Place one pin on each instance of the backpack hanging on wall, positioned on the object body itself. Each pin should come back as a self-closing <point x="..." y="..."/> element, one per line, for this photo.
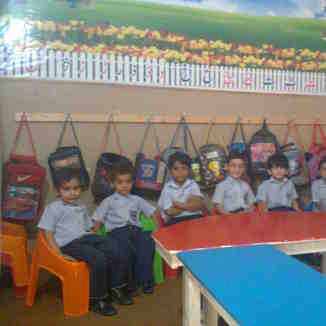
<point x="316" y="152"/>
<point x="184" y="128"/>
<point x="68" y="156"/>
<point x="294" y="152"/>
<point x="148" y="171"/>
<point x="212" y="159"/>
<point x="101" y="186"/>
<point x="23" y="179"/>
<point x="240" y="146"/>
<point x="262" y="145"/>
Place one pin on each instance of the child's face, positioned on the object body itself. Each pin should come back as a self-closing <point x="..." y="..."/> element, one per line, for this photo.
<point x="123" y="184"/>
<point x="179" y="172"/>
<point x="236" y="168"/>
<point x="322" y="171"/>
<point x="69" y="191"/>
<point x="278" y="172"/>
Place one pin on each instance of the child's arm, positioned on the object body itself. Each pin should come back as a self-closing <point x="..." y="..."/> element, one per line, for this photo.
<point x="53" y="244"/>
<point x="220" y="209"/>
<point x="97" y="225"/>
<point x="262" y="206"/>
<point x="251" y="199"/>
<point x="194" y="203"/>
<point x="295" y="205"/>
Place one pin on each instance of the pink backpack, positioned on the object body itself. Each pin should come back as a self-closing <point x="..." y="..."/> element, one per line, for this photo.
<point x="316" y="152"/>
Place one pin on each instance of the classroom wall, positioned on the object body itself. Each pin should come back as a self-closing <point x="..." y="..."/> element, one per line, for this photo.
<point x="44" y="96"/>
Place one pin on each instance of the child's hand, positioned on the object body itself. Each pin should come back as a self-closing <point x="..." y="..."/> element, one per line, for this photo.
<point x="67" y="257"/>
<point x="179" y="205"/>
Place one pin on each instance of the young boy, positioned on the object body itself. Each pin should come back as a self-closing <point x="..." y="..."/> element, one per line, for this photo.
<point x="180" y="198"/>
<point x="67" y="228"/>
<point x="318" y="188"/>
<point x="234" y="195"/>
<point x="278" y="192"/>
<point x="120" y="215"/>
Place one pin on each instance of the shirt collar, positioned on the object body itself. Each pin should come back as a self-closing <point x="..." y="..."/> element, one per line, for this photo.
<point x="273" y="180"/>
<point x="231" y="179"/>
<point x="74" y="204"/>
<point x="174" y="185"/>
<point x="119" y="196"/>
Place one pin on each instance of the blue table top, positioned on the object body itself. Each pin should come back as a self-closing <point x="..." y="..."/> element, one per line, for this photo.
<point x="260" y="286"/>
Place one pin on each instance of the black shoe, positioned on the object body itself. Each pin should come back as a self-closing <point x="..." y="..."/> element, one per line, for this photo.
<point x="148" y="288"/>
<point x="103" y="308"/>
<point x="133" y="292"/>
<point x="121" y="296"/>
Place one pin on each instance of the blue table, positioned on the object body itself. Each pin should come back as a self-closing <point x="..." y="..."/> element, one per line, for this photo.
<point x="252" y="286"/>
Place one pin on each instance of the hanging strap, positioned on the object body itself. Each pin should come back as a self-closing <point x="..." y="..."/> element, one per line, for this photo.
<point x="23" y="122"/>
<point x="110" y="123"/>
<point x="209" y="131"/>
<point x="149" y="124"/>
<point x="63" y="131"/>
<point x="293" y="126"/>
<point x="237" y="126"/>
<point x="186" y="132"/>
<point x="316" y="126"/>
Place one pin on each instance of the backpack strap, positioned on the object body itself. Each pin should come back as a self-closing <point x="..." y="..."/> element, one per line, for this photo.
<point x="63" y="131"/>
<point x="149" y="124"/>
<point x="110" y="123"/>
<point x="23" y="122"/>
<point x="293" y="126"/>
<point x="238" y="125"/>
<point x="316" y="125"/>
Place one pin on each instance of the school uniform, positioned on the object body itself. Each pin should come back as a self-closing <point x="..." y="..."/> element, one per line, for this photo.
<point x="233" y="195"/>
<point x="120" y="215"/>
<point x="70" y="225"/>
<point x="278" y="194"/>
<point x="181" y="193"/>
<point x="318" y="192"/>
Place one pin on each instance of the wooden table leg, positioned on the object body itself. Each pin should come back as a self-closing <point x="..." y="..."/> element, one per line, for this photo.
<point x="191" y="301"/>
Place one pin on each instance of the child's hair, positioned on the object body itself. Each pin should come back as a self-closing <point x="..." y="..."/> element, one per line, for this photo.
<point x="63" y="175"/>
<point x="122" y="167"/>
<point x="236" y="156"/>
<point x="278" y="160"/>
<point x="322" y="161"/>
<point x="180" y="157"/>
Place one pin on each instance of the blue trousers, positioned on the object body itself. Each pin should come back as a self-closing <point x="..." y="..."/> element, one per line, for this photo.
<point x="108" y="264"/>
<point x="141" y="247"/>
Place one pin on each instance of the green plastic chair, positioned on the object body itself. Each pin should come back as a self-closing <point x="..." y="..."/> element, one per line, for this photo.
<point x="147" y="225"/>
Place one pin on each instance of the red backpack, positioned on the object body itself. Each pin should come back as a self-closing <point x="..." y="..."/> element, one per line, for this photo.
<point x="23" y="179"/>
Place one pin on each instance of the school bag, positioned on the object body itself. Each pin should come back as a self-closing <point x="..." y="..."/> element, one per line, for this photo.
<point x="149" y="171"/>
<point x="183" y="128"/>
<point x="262" y="145"/>
<point x="316" y="152"/>
<point x="240" y="146"/>
<point x="68" y="156"/>
<point x="212" y="159"/>
<point x="101" y="186"/>
<point x="294" y="152"/>
<point x="23" y="179"/>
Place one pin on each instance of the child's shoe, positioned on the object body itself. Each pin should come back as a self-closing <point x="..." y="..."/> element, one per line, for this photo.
<point x="103" y="307"/>
<point x="121" y="296"/>
<point x="148" y="288"/>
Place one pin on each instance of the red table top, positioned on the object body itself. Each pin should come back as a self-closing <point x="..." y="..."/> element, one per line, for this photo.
<point x="243" y="229"/>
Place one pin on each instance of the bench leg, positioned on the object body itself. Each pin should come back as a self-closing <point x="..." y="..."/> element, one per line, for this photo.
<point x="191" y="301"/>
<point x="211" y="314"/>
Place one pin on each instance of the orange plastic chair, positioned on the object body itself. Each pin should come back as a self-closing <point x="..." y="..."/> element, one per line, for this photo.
<point x="13" y="251"/>
<point x="74" y="277"/>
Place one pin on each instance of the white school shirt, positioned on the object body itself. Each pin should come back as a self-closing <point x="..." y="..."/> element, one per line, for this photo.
<point x="117" y="211"/>
<point x="233" y="194"/>
<point x="277" y="193"/>
<point x="318" y="192"/>
<point x="67" y="221"/>
<point x="174" y="192"/>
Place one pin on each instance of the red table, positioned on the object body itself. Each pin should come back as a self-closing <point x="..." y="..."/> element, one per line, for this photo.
<point x="293" y="233"/>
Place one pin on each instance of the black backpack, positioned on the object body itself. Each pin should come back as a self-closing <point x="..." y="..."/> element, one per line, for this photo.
<point x="262" y="145"/>
<point x="101" y="186"/>
<point x="68" y="156"/>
